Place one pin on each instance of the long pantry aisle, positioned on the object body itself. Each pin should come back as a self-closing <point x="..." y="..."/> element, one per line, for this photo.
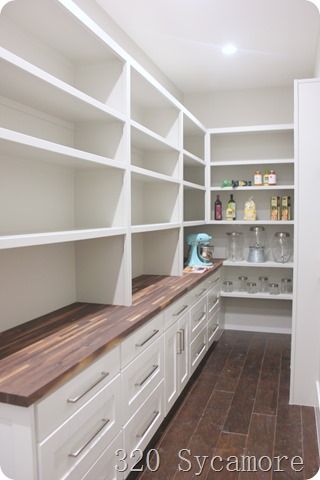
<point x="238" y="405"/>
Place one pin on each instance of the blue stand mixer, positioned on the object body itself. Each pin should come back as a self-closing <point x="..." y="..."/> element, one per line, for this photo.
<point x="199" y="246"/>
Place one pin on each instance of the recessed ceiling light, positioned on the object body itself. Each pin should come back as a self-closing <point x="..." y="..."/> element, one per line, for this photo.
<point x="229" y="49"/>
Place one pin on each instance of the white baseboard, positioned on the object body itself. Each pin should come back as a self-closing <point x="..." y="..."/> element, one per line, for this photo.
<point x="317" y="412"/>
<point x="260" y="329"/>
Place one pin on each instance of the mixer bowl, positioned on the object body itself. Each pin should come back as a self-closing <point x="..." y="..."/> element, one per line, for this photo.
<point x="206" y="252"/>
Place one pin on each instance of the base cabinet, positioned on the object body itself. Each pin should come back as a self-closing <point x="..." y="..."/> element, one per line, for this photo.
<point x="97" y="425"/>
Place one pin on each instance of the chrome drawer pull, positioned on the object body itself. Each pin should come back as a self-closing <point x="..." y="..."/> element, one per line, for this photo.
<point x="201" y="293"/>
<point x="214" y="305"/>
<point x="214" y="281"/>
<point x="154" y="333"/>
<point x="179" y="343"/>
<point x="76" y="399"/>
<point x="180" y="311"/>
<point x="183" y="339"/>
<point x="154" y="369"/>
<point x="200" y="319"/>
<point x="200" y="351"/>
<point x="155" y="414"/>
<point x="80" y="450"/>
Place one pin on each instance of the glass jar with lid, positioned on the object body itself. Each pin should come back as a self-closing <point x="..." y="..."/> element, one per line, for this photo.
<point x="257" y="245"/>
<point x="235" y="246"/>
<point x="282" y="247"/>
<point x="242" y="283"/>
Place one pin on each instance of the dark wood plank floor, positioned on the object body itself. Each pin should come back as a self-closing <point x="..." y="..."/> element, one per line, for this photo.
<point x="238" y="405"/>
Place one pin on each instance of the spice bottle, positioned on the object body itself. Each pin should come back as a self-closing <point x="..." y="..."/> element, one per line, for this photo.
<point x="257" y="180"/>
<point x="272" y="178"/>
<point x="266" y="178"/>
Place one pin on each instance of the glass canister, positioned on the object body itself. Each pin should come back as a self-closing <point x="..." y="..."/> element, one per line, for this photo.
<point x="235" y="246"/>
<point x="242" y="283"/>
<point x="263" y="284"/>
<point x="274" y="288"/>
<point x="228" y="286"/>
<point x="252" y="287"/>
<point x="257" y="245"/>
<point x="282" y="247"/>
<point x="286" y="285"/>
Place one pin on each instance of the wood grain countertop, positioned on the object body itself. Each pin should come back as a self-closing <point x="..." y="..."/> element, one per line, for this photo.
<point x="38" y="356"/>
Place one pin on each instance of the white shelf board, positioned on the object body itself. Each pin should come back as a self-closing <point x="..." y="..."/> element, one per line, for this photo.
<point x="257" y="222"/>
<point x="153" y="135"/>
<point x="269" y="264"/>
<point x="147" y="140"/>
<point x="253" y="188"/>
<point x="191" y="156"/>
<point x="193" y="186"/>
<point x="34" y="239"/>
<point x="150" y="176"/>
<point x="153" y="227"/>
<point x="234" y="163"/>
<point x="195" y="223"/>
<point x="253" y="129"/>
<point x="25" y="146"/>
<point x="23" y="81"/>
<point x="259" y="296"/>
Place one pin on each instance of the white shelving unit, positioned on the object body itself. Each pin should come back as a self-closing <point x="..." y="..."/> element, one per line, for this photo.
<point x="96" y="161"/>
<point x="235" y="154"/>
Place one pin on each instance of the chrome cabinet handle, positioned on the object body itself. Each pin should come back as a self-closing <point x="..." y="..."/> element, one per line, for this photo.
<point x="87" y="443"/>
<point x="200" y="351"/>
<point x="154" y="369"/>
<point x="183" y="334"/>
<point x="201" y="293"/>
<point x="154" y="333"/>
<point x="214" y="305"/>
<point x="200" y="319"/>
<point x="212" y="282"/>
<point x="180" y="311"/>
<point x="155" y="414"/>
<point x="179" y="343"/>
<point x="81" y="395"/>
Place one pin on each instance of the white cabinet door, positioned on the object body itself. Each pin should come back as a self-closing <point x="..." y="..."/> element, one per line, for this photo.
<point x="171" y="339"/>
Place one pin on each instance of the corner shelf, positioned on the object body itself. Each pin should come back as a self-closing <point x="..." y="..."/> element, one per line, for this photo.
<point x="257" y="222"/>
<point x="190" y="156"/>
<point x="155" y="227"/>
<point x="234" y="163"/>
<point x="253" y="188"/>
<point x="257" y="296"/>
<point x="193" y="186"/>
<point x="152" y="176"/>
<point x="268" y="264"/>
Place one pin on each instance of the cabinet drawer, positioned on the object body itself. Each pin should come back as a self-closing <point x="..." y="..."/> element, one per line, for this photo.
<point x="105" y="467"/>
<point x="141" y="339"/>
<point x="144" y="424"/>
<point x="141" y="377"/>
<point x="57" y="407"/>
<point x="178" y="308"/>
<point x="198" y="317"/>
<point x="72" y="449"/>
<point x="213" y="298"/>
<point x="198" y="349"/>
<point x="214" y="279"/>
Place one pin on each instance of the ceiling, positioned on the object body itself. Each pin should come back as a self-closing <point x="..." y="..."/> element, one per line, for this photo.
<point x="277" y="40"/>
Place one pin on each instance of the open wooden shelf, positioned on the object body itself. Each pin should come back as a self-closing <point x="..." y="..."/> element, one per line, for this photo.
<point x="257" y="296"/>
<point x="268" y="264"/>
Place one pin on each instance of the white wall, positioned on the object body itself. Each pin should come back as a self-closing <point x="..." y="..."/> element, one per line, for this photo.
<point x="317" y="62"/>
<point x="243" y="107"/>
<point x="106" y="22"/>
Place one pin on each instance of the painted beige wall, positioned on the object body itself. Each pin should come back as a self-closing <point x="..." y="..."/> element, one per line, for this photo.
<point x="106" y="22"/>
<point x="243" y="107"/>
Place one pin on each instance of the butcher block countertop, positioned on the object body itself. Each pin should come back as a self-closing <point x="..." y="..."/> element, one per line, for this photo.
<point x="40" y="355"/>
